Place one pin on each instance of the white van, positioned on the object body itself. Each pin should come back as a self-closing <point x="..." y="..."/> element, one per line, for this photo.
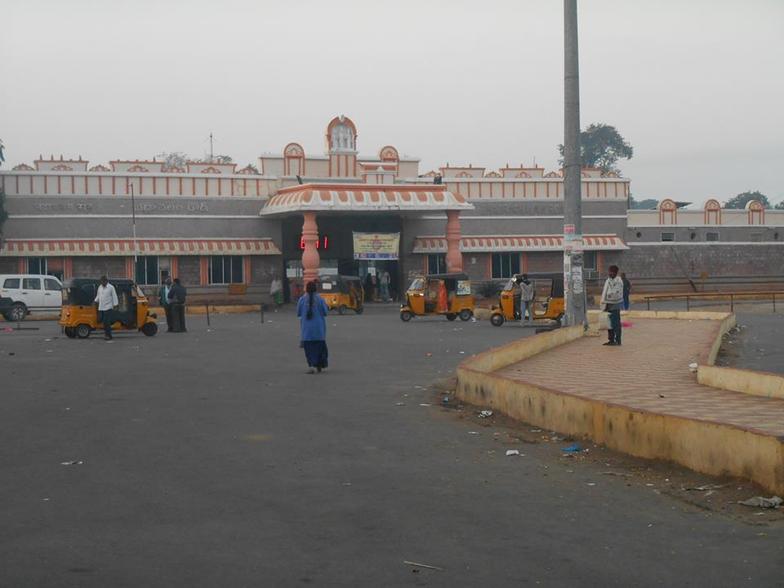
<point x="21" y="294"/>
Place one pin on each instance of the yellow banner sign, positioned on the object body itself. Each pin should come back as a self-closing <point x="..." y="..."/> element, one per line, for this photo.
<point x="376" y="245"/>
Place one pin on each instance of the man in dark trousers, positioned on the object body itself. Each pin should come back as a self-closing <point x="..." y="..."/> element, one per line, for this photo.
<point x="177" y="295"/>
<point x="627" y="290"/>
<point x="163" y="296"/>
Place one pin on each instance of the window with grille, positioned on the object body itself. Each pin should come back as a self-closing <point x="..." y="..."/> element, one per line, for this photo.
<point x="505" y="265"/>
<point x="436" y="263"/>
<point x="226" y="269"/>
<point x="147" y="271"/>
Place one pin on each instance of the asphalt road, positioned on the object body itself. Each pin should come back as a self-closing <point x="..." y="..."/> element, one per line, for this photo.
<point x="212" y="459"/>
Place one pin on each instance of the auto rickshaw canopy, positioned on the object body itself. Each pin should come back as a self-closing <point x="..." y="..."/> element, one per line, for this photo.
<point x="82" y="291"/>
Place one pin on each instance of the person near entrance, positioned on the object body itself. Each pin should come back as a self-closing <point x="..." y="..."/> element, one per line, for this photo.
<point x="276" y="291"/>
<point x="163" y="296"/>
<point x="370" y="287"/>
<point x="312" y="313"/>
<point x="612" y="302"/>
<point x="106" y="299"/>
<point x="177" y="295"/>
<point x="526" y="299"/>
<point x="384" y="281"/>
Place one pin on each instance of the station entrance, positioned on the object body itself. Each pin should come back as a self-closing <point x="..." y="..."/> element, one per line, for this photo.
<point x="336" y="251"/>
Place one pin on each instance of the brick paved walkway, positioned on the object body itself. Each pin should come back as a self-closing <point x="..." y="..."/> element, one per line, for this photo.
<point x="650" y="372"/>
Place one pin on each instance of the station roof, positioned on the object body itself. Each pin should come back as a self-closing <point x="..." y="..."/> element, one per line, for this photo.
<point x="125" y="247"/>
<point x="364" y="198"/>
<point x="502" y="243"/>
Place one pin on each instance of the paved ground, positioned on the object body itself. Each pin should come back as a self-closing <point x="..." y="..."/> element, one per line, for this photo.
<point x="654" y="351"/>
<point x="212" y="459"/>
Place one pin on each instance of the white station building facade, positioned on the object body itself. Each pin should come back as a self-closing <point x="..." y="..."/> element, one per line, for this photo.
<point x="298" y="215"/>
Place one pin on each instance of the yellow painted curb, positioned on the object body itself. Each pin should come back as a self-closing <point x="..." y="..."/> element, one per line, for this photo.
<point x="709" y="447"/>
<point x="746" y="381"/>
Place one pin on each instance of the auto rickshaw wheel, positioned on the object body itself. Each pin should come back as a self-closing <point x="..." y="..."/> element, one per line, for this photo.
<point x="450" y="316"/>
<point x="342" y="309"/>
<point x="17" y="313"/>
<point x="405" y="315"/>
<point x="83" y="331"/>
<point x="359" y="309"/>
<point x="149" y="329"/>
<point x="465" y="315"/>
<point x="497" y="319"/>
<point x="69" y="332"/>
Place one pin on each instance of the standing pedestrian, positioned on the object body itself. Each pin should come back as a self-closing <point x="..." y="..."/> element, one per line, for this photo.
<point x="374" y="285"/>
<point x="106" y="299"/>
<point x="612" y="302"/>
<point x="627" y="290"/>
<point x="384" y="283"/>
<point x="369" y="287"/>
<point x="312" y="312"/>
<point x="526" y="299"/>
<point x="177" y="295"/>
<point x="163" y="297"/>
<point x="276" y="291"/>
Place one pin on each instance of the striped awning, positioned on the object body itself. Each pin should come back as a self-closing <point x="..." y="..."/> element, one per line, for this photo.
<point x="125" y="247"/>
<point x="500" y="243"/>
<point x="363" y="198"/>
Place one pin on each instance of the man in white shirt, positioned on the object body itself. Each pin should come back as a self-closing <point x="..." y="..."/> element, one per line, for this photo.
<point x="612" y="303"/>
<point x="107" y="302"/>
<point x="527" y="294"/>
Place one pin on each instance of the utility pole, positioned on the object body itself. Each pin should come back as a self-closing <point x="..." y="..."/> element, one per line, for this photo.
<point x="133" y="224"/>
<point x="574" y="284"/>
<point x="212" y="157"/>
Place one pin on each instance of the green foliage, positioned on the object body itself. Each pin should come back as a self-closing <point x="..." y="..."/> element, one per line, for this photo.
<point x="647" y="204"/>
<point x="3" y="211"/>
<point x="779" y="206"/>
<point x="740" y="201"/>
<point x="602" y="146"/>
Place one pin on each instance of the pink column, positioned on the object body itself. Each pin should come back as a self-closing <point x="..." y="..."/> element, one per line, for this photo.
<point x="454" y="259"/>
<point x="310" y="256"/>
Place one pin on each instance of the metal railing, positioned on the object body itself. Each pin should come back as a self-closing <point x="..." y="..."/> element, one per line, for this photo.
<point x="733" y="297"/>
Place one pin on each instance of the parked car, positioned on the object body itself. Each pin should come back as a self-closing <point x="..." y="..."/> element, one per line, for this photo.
<point x="21" y="294"/>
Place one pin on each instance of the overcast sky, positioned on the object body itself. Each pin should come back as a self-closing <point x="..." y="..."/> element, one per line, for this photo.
<point x="696" y="86"/>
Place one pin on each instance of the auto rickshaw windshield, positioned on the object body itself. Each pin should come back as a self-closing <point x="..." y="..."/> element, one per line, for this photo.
<point x="417" y="284"/>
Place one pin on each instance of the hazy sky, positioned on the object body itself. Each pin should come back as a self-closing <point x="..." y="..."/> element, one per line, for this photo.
<point x="697" y="86"/>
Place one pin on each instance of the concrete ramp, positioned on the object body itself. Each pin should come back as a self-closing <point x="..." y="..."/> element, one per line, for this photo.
<point x="640" y="398"/>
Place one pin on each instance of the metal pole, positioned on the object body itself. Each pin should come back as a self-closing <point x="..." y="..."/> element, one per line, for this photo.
<point x="133" y="224"/>
<point x="774" y="302"/>
<point x="573" y="229"/>
<point x="261" y="311"/>
<point x="207" y="307"/>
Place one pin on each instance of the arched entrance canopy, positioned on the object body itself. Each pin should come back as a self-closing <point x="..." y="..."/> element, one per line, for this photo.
<point x="310" y="200"/>
<point x="362" y="198"/>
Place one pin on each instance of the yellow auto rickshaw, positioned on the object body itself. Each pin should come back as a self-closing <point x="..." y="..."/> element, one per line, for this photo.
<point x="548" y="297"/>
<point x="439" y="294"/>
<point x="79" y="315"/>
<point x="342" y="293"/>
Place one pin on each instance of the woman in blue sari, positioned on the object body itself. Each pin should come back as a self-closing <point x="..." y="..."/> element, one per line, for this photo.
<point x="312" y="312"/>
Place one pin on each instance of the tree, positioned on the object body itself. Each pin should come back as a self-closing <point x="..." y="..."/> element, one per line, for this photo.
<point x="647" y="204"/>
<point x="779" y="206"/>
<point x="744" y="198"/>
<point x="173" y="159"/>
<point x="601" y="146"/>
<point x="3" y="212"/>
<point x="222" y="159"/>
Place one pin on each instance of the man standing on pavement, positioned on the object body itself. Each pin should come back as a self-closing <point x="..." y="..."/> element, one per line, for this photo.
<point x="526" y="298"/>
<point x="612" y="302"/>
<point x="627" y="290"/>
<point x="177" y="296"/>
<point x="106" y="299"/>
<point x="163" y="295"/>
<point x="384" y="284"/>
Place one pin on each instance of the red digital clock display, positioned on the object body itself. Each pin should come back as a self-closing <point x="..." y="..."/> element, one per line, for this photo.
<point x="322" y="243"/>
